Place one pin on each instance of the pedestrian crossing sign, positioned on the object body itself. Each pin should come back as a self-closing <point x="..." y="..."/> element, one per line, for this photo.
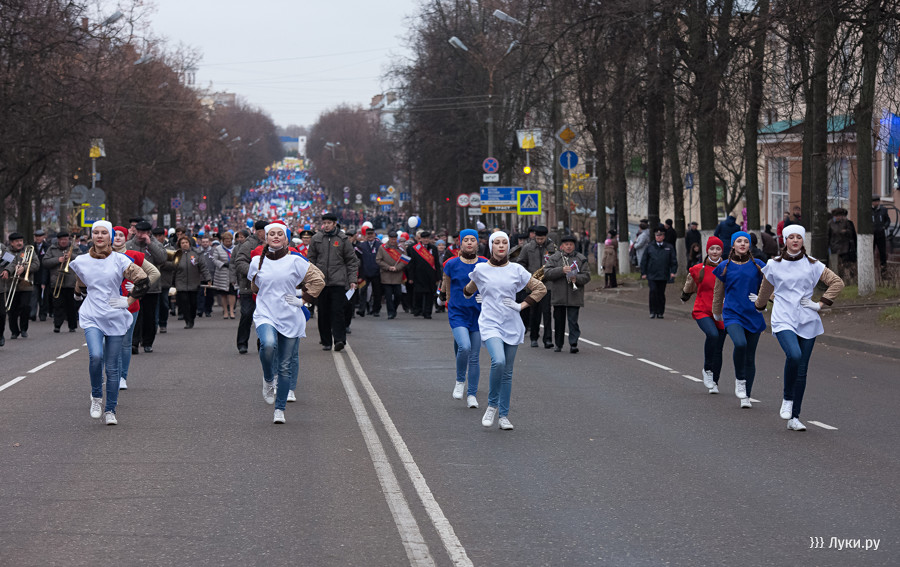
<point x="529" y="202"/>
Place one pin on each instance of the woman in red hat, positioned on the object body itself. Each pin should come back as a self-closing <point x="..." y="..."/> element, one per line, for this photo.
<point x="703" y="283"/>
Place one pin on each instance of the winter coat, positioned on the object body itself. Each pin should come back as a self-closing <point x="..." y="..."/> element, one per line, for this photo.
<point x="424" y="278"/>
<point x="155" y="253"/>
<point x="641" y="241"/>
<point x="51" y="264"/>
<point x="610" y="260"/>
<point x="222" y="260"/>
<point x="367" y="252"/>
<point x="166" y="272"/>
<point x="561" y="291"/>
<point x="659" y="261"/>
<point x="534" y="255"/>
<point x="724" y="231"/>
<point x="241" y="259"/>
<point x="190" y="270"/>
<point x="385" y="262"/>
<point x="333" y="254"/>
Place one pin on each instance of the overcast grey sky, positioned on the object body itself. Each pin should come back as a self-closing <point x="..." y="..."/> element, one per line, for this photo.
<point x="294" y="59"/>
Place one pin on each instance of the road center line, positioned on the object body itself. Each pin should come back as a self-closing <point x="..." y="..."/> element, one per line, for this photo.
<point x="818" y="423"/>
<point x="692" y="378"/>
<point x="11" y="383"/>
<point x="651" y="363"/>
<point x="582" y="339"/>
<point x="71" y="352"/>
<point x="451" y="543"/>
<point x="41" y="367"/>
<point x="413" y="542"/>
<point x="617" y="351"/>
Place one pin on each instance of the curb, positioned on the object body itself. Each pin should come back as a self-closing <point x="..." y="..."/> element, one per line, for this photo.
<point x="866" y="347"/>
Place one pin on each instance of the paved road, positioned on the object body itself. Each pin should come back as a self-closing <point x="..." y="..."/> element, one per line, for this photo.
<point x="619" y="457"/>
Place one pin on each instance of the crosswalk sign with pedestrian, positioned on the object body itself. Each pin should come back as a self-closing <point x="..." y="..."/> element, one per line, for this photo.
<point x="529" y="202"/>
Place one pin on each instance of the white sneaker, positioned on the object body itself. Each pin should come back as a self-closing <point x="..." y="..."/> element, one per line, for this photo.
<point x="458" y="390"/>
<point x="279" y="416"/>
<point x="111" y="418"/>
<point x="472" y="402"/>
<point x="787" y="407"/>
<point x="122" y="384"/>
<point x="292" y="397"/>
<point x="96" y="407"/>
<point x="795" y="425"/>
<point x="269" y="392"/>
<point x="505" y="423"/>
<point x="489" y="415"/>
<point x="708" y="379"/>
<point x="745" y="403"/>
<point x="740" y="388"/>
<point x="714" y="389"/>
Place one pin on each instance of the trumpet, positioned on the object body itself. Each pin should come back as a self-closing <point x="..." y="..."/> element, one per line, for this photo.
<point x="27" y="257"/>
<point x="170" y="254"/>
<point x="575" y="264"/>
<point x="61" y="273"/>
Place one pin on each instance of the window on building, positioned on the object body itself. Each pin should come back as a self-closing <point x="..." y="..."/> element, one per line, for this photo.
<point x="838" y="183"/>
<point x="888" y="176"/>
<point x="779" y="189"/>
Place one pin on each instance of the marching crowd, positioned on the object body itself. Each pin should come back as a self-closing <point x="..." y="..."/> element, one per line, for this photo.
<point x="119" y="286"/>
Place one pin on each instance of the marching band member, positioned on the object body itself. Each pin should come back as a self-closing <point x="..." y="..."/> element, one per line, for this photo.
<point x="279" y="318"/>
<point x="497" y="281"/>
<point x="792" y="278"/>
<point x="20" y="309"/>
<point x="567" y="272"/>
<point x="104" y="314"/>
<point x="462" y="314"/>
<point x="702" y="281"/>
<point x="55" y="262"/>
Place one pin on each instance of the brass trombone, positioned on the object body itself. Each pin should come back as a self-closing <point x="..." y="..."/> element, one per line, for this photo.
<point x="27" y="258"/>
<point x="61" y="273"/>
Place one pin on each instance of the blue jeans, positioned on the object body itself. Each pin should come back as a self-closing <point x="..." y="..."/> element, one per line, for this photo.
<point x="125" y="351"/>
<point x="295" y="366"/>
<point x="797" y="350"/>
<point x="467" y="345"/>
<point x="275" y="355"/>
<point x="503" y="356"/>
<point x="744" y="353"/>
<point x="712" y="347"/>
<point x="104" y="351"/>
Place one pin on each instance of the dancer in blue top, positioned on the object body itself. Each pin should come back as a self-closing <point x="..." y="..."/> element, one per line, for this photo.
<point x="463" y="315"/>
<point x="738" y="281"/>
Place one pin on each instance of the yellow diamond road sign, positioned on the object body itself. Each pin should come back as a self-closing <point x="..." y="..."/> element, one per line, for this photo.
<point x="566" y="135"/>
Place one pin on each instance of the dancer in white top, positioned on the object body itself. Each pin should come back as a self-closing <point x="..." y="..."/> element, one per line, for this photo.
<point x="497" y="281"/>
<point x="104" y="314"/>
<point x="792" y="278"/>
<point x="279" y="318"/>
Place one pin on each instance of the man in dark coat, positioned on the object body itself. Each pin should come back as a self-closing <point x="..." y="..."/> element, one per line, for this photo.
<point x="658" y="265"/>
<point x="534" y="255"/>
<point x="724" y="231"/>
<point x="423" y="273"/>
<point x="369" y="271"/>
<point x="331" y="251"/>
<point x="671" y="234"/>
<point x="693" y="236"/>
<point x="880" y="223"/>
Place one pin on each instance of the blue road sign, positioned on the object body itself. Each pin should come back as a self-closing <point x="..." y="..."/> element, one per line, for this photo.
<point x="568" y="159"/>
<point x="386" y="208"/>
<point x="689" y="181"/>
<point x="372" y="197"/>
<point x="499" y="195"/>
<point x="491" y="165"/>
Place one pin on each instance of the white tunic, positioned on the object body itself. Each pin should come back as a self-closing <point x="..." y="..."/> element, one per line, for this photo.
<point x="794" y="280"/>
<point x="277" y="279"/>
<point x="103" y="278"/>
<point x="494" y="284"/>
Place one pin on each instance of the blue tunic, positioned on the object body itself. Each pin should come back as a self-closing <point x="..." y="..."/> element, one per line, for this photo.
<point x="461" y="312"/>
<point x="740" y="281"/>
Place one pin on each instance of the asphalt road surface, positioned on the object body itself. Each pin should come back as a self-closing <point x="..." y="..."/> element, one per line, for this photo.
<point x="619" y="456"/>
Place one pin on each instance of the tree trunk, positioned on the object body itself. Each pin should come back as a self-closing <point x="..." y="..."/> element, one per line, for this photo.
<point x="671" y="136"/>
<point x="863" y="119"/>
<point x="751" y="125"/>
<point x="654" y="133"/>
<point x="617" y="165"/>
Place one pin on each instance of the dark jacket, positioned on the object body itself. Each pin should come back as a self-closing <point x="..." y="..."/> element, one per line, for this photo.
<point x="534" y="255"/>
<point x="190" y="270"/>
<point x="561" y="291"/>
<point x="333" y="254"/>
<point x="242" y="262"/>
<point x="424" y="278"/>
<point x="659" y="261"/>
<point x="367" y="252"/>
<point x="155" y="253"/>
<point x="166" y="272"/>
<point x="691" y="237"/>
<point x="52" y="265"/>
<point x="724" y="231"/>
<point x="880" y="220"/>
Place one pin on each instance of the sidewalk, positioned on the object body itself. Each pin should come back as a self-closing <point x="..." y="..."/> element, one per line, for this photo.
<point x="851" y="327"/>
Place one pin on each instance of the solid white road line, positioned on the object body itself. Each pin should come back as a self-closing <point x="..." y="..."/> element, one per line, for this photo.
<point x="454" y="547"/>
<point x="651" y="363"/>
<point x="71" y="352"/>
<point x="582" y="339"/>
<point x="755" y="401"/>
<point x="818" y="423"/>
<point x="617" y="351"/>
<point x="692" y="378"/>
<point x="413" y="542"/>
<point x="11" y="382"/>
<point x="41" y="367"/>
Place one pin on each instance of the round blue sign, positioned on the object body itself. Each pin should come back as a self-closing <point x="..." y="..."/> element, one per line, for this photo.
<point x="568" y="159"/>
<point x="491" y="165"/>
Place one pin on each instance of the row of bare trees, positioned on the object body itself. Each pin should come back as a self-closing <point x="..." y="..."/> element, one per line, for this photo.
<point x="668" y="85"/>
<point x="68" y="75"/>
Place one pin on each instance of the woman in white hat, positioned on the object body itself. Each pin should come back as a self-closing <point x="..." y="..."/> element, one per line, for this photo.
<point x="104" y="314"/>
<point x="497" y="281"/>
<point x="792" y="278"/>
<point x="280" y="321"/>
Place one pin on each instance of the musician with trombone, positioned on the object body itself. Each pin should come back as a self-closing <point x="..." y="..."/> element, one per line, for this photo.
<point x="566" y="273"/>
<point x="533" y="256"/>
<point x="56" y="263"/>
<point x="18" y="277"/>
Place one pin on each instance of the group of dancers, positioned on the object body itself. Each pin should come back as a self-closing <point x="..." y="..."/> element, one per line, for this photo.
<point x="732" y="293"/>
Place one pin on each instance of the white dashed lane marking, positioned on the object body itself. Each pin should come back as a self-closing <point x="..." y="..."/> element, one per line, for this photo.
<point x="41" y="367"/>
<point x="651" y="363"/>
<point x="823" y="425"/>
<point x="617" y="351"/>
<point x="11" y="382"/>
<point x="692" y="378"/>
<point x="71" y="352"/>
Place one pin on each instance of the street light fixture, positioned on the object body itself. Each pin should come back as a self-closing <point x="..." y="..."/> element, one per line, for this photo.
<point x="457" y="43"/>
<point x="115" y="17"/>
<point x="504" y="17"/>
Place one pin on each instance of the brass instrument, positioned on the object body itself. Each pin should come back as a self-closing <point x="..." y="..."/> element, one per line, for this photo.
<point x="27" y="257"/>
<point x="170" y="254"/>
<point x="61" y="273"/>
<point x="574" y="286"/>
<point x="539" y="274"/>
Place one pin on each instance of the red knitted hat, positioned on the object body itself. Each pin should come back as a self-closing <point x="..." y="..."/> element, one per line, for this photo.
<point x="714" y="240"/>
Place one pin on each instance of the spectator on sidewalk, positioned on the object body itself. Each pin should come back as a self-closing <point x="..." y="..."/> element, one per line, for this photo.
<point x="880" y="222"/>
<point x="769" y="243"/>
<point x="724" y="231"/>
<point x="610" y="261"/>
<point x="658" y="266"/>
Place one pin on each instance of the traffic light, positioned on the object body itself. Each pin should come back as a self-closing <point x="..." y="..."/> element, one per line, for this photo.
<point x="526" y="170"/>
